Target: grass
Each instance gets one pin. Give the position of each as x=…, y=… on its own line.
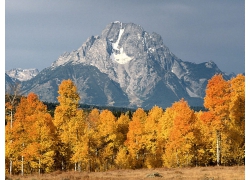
x=194, y=173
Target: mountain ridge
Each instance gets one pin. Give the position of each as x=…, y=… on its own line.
x=22, y=74
x=125, y=66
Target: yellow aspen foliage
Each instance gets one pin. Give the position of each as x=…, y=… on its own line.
x=98, y=141
x=123, y=158
x=93, y=119
x=122, y=128
x=70, y=125
x=107, y=130
x=180, y=140
x=79, y=141
x=205, y=136
x=217, y=101
x=150, y=137
x=9, y=150
x=42, y=133
x=235, y=131
x=33, y=136
x=135, y=142
x=164, y=126
x=237, y=104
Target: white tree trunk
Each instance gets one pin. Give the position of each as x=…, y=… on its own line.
x=62, y=166
x=22, y=166
x=79, y=166
x=10, y=167
x=39, y=167
x=218, y=147
x=11, y=119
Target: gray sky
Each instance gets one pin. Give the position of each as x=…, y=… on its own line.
x=38, y=32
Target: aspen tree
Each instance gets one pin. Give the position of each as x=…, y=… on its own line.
x=78, y=131
x=217, y=102
x=122, y=128
x=93, y=120
x=10, y=106
x=135, y=142
x=108, y=146
x=123, y=159
x=179, y=137
x=205, y=136
x=69, y=122
x=150, y=137
x=236, y=129
x=33, y=138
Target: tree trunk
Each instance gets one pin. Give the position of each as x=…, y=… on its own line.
x=10, y=167
x=62, y=165
x=22, y=167
x=177, y=160
x=39, y=167
x=11, y=119
x=79, y=166
x=218, y=147
x=89, y=165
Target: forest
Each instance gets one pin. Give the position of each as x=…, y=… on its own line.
x=73, y=138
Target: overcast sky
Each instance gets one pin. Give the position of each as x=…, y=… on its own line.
x=37, y=32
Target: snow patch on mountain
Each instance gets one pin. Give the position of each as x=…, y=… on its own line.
x=22, y=74
x=115, y=45
x=191, y=94
x=209, y=64
x=119, y=55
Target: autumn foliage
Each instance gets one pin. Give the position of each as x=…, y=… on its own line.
x=98, y=140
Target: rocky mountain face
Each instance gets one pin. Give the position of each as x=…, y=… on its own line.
x=22, y=74
x=8, y=83
x=125, y=66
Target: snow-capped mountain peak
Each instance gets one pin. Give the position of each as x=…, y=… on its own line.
x=118, y=54
x=125, y=66
x=22, y=74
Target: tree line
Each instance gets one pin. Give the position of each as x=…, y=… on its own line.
x=97, y=140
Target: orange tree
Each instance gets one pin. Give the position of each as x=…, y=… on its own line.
x=217, y=101
x=236, y=125
x=32, y=138
x=205, y=137
x=178, y=134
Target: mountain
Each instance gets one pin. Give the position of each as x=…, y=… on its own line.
x=22, y=74
x=9, y=82
x=125, y=66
